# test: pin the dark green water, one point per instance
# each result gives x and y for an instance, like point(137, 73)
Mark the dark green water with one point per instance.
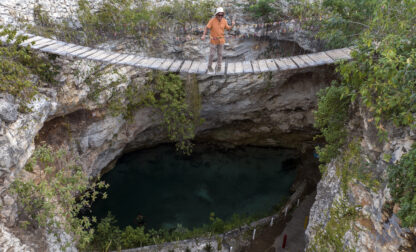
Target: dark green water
point(170, 189)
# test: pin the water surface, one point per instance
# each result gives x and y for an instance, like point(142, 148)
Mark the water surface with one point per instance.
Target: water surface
point(169, 189)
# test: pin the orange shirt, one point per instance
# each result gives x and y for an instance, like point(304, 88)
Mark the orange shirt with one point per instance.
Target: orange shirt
point(217, 30)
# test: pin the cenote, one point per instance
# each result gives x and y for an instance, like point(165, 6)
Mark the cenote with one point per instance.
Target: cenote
point(168, 189)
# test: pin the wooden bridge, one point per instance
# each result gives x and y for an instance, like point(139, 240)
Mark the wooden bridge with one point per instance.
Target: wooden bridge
point(184, 66)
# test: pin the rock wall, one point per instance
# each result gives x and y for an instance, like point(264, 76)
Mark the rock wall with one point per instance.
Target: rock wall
point(375, 227)
point(269, 110)
point(272, 109)
point(14, 11)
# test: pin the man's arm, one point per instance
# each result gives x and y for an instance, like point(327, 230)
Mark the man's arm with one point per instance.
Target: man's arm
point(205, 33)
point(209, 26)
point(229, 27)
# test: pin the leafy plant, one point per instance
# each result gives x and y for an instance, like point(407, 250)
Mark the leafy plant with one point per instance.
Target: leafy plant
point(402, 183)
point(109, 235)
point(50, 200)
point(19, 65)
point(166, 93)
point(330, 118)
point(267, 10)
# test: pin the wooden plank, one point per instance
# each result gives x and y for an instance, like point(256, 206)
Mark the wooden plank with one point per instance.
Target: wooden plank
point(194, 67)
point(346, 50)
point(154, 62)
point(63, 50)
point(299, 62)
point(214, 64)
point(103, 56)
point(256, 67)
point(321, 58)
point(263, 66)
point(165, 66)
point(97, 55)
point(125, 60)
point(223, 69)
point(203, 67)
point(111, 57)
point(271, 65)
point(290, 64)
point(185, 66)
point(29, 41)
point(147, 62)
point(52, 48)
point(176, 65)
point(156, 65)
point(43, 43)
point(308, 60)
point(239, 69)
point(135, 60)
point(214, 67)
point(142, 63)
point(337, 55)
point(73, 50)
point(80, 51)
point(282, 66)
point(231, 68)
point(118, 58)
point(87, 53)
point(247, 67)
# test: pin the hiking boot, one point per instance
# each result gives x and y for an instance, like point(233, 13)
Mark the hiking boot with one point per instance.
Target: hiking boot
point(218, 68)
point(210, 69)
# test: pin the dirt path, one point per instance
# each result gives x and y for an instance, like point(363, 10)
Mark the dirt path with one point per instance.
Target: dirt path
point(270, 238)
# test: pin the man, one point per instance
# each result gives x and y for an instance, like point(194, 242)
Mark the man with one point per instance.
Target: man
point(217, 25)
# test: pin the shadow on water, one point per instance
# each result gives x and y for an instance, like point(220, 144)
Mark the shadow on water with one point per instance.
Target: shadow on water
point(167, 188)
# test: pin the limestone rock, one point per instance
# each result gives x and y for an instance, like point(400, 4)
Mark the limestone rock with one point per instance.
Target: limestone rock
point(8, 110)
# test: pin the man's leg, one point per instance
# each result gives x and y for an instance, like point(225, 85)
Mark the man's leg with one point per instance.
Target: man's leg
point(220, 48)
point(211, 56)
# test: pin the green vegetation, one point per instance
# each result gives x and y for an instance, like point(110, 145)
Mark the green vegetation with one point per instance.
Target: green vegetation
point(339, 23)
point(49, 199)
point(382, 78)
point(382, 75)
point(18, 65)
point(331, 236)
point(266, 10)
point(331, 118)
point(109, 236)
point(402, 182)
point(353, 165)
point(114, 19)
point(168, 95)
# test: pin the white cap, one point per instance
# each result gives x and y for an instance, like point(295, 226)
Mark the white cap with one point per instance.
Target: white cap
point(218, 10)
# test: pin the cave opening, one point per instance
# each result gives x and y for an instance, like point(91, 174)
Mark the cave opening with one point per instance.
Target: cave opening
point(165, 189)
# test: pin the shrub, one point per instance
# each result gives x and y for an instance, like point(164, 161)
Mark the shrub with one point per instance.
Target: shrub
point(19, 65)
point(267, 10)
point(166, 93)
point(402, 183)
point(50, 201)
point(330, 118)
point(110, 236)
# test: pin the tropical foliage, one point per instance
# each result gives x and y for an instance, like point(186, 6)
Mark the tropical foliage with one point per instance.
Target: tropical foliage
point(382, 78)
point(49, 199)
point(114, 19)
point(402, 182)
point(19, 65)
point(109, 236)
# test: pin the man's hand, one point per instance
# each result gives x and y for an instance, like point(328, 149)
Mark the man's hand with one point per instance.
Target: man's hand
point(203, 37)
point(233, 22)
